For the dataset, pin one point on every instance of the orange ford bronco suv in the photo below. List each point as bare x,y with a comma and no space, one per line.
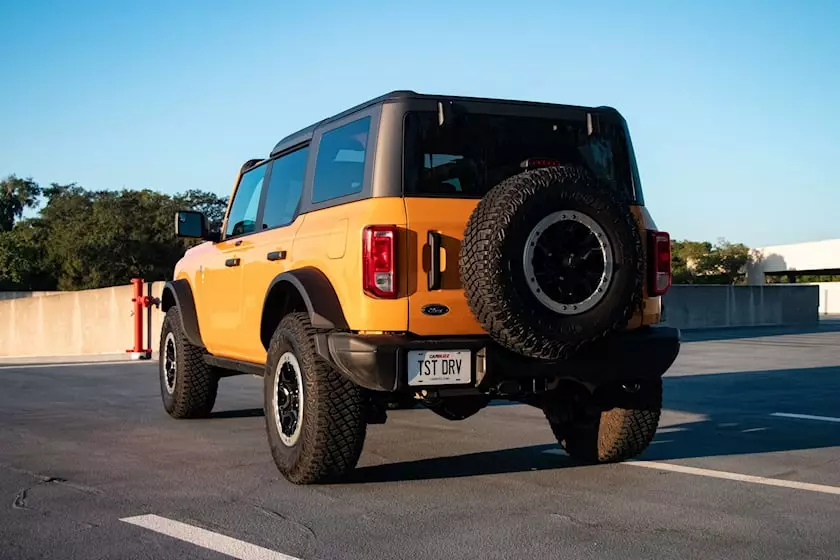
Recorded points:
448,250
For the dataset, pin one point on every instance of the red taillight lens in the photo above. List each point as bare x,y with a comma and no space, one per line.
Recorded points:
660,248
379,277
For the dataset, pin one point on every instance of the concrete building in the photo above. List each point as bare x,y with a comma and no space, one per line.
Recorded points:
801,259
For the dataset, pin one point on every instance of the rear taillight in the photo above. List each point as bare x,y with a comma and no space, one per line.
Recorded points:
379,278
660,252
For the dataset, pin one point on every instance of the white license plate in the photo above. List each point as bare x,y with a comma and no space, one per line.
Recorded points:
439,367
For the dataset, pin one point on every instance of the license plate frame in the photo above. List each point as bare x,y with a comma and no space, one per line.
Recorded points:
429,368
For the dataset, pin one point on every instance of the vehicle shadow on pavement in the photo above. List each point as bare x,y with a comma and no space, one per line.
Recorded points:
736,411
504,461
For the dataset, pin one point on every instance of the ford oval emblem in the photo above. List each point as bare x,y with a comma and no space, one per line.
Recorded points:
435,309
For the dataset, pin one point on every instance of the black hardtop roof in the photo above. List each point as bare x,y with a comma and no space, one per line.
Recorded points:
306,133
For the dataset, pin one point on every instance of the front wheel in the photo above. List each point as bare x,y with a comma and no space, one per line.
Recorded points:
188,385
315,417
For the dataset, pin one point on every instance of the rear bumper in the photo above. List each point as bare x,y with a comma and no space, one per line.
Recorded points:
379,362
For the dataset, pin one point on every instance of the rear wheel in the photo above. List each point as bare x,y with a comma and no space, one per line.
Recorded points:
315,417
188,385
616,425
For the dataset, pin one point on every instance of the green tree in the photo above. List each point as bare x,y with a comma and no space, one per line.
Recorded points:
85,239
728,260
210,204
16,195
22,266
701,262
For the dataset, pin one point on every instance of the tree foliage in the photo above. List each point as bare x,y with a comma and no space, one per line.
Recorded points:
84,239
15,196
701,262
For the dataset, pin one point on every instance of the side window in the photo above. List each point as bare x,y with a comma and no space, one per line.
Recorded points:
246,202
284,187
340,169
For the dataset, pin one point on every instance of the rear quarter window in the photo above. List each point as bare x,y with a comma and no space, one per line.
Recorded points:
340,165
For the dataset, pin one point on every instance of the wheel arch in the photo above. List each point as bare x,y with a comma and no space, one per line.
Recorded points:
178,293
306,289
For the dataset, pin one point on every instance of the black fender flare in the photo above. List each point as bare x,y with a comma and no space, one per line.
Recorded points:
178,293
315,291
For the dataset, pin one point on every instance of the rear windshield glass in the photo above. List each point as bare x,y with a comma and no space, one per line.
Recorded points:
480,150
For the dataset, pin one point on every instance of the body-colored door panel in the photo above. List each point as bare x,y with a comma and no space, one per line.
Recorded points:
269,255
219,281
447,217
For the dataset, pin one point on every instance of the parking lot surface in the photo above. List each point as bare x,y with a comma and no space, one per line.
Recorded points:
746,464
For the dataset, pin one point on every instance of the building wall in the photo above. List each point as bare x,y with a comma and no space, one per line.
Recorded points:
829,297
815,255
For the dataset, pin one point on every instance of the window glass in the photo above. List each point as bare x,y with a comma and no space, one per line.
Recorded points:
340,169
246,202
284,187
481,150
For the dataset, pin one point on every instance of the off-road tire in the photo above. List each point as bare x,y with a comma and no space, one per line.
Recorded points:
616,434
493,275
196,383
334,424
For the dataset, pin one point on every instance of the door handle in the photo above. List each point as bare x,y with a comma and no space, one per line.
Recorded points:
434,269
232,262
276,255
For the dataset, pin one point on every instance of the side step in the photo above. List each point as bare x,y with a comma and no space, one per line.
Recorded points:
235,367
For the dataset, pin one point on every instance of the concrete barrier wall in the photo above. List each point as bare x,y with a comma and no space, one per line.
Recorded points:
18,295
705,306
89,322
97,322
829,297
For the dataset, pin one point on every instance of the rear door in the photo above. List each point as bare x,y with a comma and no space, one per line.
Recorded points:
271,250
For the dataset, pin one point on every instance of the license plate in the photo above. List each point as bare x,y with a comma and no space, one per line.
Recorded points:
439,367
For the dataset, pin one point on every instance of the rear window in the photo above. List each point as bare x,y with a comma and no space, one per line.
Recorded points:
478,152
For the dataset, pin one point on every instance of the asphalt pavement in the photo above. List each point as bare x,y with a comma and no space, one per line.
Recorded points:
745,465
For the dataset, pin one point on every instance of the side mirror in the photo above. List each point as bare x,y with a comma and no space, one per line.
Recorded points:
193,225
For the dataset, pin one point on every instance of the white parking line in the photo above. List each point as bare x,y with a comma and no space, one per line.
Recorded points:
78,364
806,417
206,539
736,476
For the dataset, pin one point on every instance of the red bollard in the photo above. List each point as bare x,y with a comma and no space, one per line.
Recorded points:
140,301
138,352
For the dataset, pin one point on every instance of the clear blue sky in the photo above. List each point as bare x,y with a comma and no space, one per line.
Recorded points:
733,105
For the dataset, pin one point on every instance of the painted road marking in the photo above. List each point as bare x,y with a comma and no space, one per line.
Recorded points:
205,539
739,477
806,417
78,364
824,489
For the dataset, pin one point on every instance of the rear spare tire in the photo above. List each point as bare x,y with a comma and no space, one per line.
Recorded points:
552,260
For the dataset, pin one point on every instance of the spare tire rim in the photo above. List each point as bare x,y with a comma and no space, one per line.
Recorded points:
568,262
169,363
288,398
